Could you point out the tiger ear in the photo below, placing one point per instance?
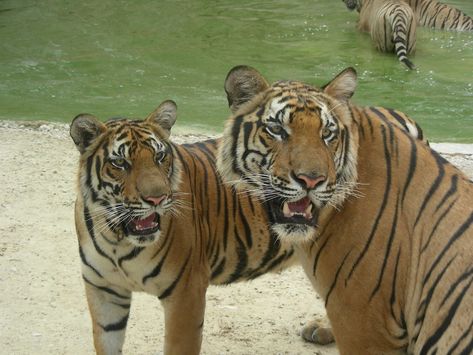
(342, 87)
(84, 130)
(165, 115)
(242, 84)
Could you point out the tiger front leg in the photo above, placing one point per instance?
(314, 332)
(184, 321)
(109, 308)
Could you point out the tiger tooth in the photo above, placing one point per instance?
(308, 212)
(286, 211)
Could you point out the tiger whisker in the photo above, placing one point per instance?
(179, 194)
(109, 217)
(182, 206)
(334, 107)
(110, 225)
(106, 211)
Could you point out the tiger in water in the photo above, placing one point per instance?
(391, 24)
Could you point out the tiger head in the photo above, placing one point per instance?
(127, 173)
(353, 4)
(292, 144)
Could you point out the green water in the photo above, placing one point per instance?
(122, 58)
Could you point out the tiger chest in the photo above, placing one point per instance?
(123, 266)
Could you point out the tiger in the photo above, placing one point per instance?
(382, 224)
(153, 216)
(391, 24)
(434, 14)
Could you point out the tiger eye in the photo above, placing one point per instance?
(276, 130)
(326, 133)
(119, 163)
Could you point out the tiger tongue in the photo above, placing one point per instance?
(299, 206)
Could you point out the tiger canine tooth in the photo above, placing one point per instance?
(286, 211)
(308, 211)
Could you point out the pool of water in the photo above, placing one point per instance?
(111, 58)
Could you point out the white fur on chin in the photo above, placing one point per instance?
(301, 235)
(143, 241)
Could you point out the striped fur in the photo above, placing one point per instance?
(391, 24)
(383, 224)
(434, 14)
(207, 232)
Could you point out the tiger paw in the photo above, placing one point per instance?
(313, 332)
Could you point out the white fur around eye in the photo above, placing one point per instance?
(159, 157)
(119, 163)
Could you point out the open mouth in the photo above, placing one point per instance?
(143, 226)
(301, 211)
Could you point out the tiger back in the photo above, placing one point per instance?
(435, 14)
(383, 225)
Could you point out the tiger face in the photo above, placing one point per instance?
(296, 176)
(127, 173)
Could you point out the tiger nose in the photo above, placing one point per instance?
(155, 200)
(310, 181)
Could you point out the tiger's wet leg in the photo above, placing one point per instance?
(184, 320)
(314, 332)
(109, 308)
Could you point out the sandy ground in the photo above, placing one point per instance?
(43, 308)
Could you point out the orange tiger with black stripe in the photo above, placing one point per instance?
(382, 223)
(391, 24)
(434, 14)
(152, 216)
